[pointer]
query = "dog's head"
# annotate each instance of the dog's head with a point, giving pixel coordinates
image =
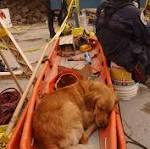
(101, 99)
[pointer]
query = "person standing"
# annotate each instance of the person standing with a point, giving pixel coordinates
(124, 37)
(54, 6)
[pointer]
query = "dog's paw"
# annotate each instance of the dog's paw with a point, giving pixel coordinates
(84, 139)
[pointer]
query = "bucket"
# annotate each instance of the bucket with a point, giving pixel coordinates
(64, 78)
(126, 92)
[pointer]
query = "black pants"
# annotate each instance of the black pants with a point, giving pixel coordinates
(52, 13)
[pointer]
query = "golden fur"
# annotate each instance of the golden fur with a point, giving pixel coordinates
(60, 118)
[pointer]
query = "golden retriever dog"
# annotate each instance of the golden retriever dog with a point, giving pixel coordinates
(60, 118)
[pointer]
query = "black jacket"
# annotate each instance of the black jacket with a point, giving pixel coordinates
(124, 38)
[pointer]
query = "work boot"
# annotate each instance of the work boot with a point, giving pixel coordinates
(52, 34)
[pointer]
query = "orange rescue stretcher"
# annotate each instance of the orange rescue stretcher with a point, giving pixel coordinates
(111, 137)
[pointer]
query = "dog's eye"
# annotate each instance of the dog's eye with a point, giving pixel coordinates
(102, 108)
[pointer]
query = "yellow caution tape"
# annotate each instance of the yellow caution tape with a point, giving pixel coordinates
(2, 130)
(32, 50)
(3, 137)
(2, 32)
(91, 34)
(120, 74)
(146, 3)
(78, 31)
(23, 28)
(3, 46)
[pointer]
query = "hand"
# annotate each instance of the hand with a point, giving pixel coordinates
(84, 139)
(86, 135)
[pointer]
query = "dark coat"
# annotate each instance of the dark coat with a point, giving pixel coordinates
(124, 38)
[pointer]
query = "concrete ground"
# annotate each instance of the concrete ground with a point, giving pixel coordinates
(135, 113)
(31, 39)
(136, 118)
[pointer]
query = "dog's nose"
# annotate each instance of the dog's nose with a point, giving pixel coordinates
(103, 125)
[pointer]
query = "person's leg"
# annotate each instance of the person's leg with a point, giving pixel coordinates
(50, 19)
(62, 13)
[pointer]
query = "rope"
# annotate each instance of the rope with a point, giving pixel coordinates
(8, 102)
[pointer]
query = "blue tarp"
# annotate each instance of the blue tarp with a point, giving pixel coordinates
(89, 3)
(56, 4)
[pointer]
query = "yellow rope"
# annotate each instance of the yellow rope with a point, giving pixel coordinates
(146, 3)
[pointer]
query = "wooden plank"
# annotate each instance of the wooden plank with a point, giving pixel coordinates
(66, 40)
(16, 72)
(15, 49)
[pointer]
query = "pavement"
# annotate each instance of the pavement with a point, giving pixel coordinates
(136, 118)
(135, 112)
(31, 39)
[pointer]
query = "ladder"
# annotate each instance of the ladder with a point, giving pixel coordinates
(7, 42)
(76, 4)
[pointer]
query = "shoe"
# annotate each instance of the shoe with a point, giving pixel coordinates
(52, 34)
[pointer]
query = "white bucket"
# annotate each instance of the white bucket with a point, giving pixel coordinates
(126, 92)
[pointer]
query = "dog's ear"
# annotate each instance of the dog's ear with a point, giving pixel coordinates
(90, 100)
(116, 99)
(114, 95)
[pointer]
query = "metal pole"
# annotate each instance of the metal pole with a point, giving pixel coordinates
(12, 74)
(76, 18)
